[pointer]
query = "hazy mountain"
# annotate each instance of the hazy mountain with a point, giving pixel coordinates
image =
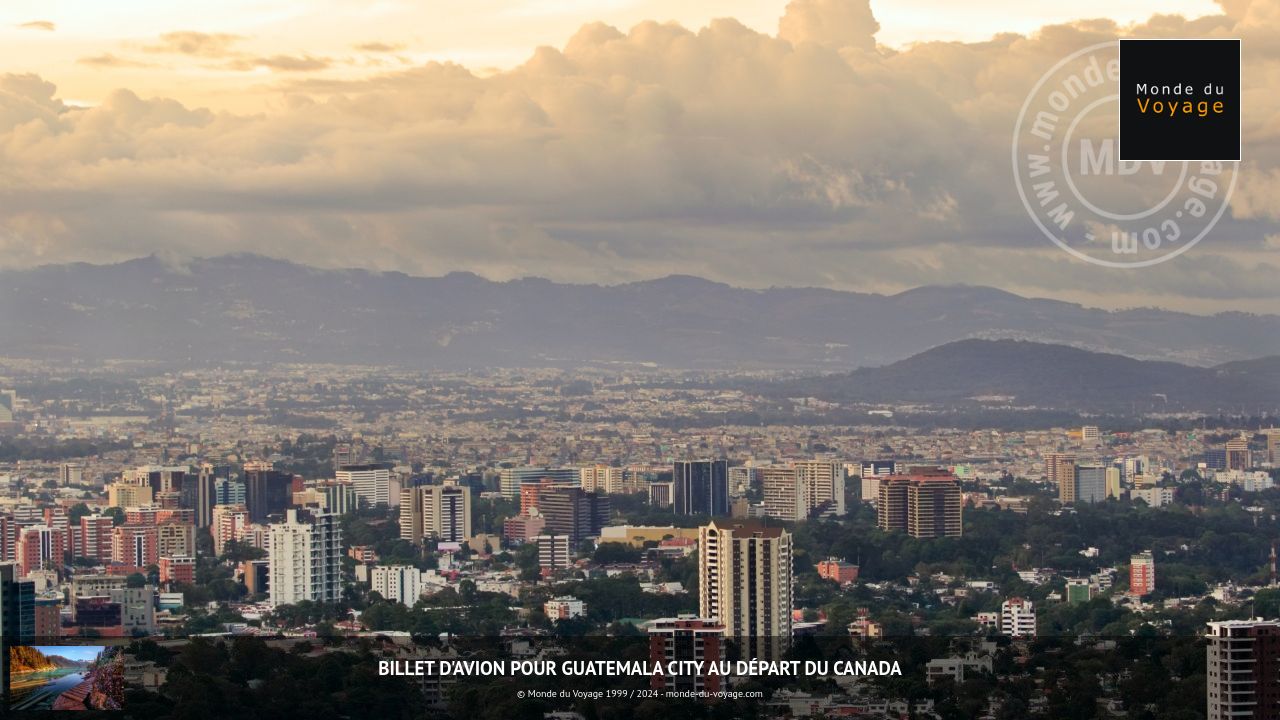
(254, 308)
(986, 372)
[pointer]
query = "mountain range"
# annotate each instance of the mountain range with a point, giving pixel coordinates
(252, 308)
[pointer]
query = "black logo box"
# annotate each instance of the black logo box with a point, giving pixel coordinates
(1192, 63)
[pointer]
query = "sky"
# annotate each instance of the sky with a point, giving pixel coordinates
(84, 653)
(833, 143)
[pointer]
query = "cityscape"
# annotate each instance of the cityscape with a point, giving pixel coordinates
(299, 503)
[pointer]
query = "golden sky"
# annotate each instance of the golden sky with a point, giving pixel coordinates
(817, 142)
(231, 54)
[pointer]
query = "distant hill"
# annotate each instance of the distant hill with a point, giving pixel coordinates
(24, 659)
(977, 372)
(251, 308)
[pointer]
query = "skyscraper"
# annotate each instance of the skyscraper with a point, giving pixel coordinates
(206, 491)
(745, 576)
(701, 487)
(1238, 454)
(573, 512)
(1242, 672)
(802, 490)
(305, 559)
(267, 491)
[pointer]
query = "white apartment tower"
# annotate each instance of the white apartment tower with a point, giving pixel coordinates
(745, 581)
(305, 559)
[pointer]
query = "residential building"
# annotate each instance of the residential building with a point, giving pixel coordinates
(305, 557)
(1142, 574)
(398, 583)
(745, 584)
(685, 639)
(1018, 617)
(1242, 670)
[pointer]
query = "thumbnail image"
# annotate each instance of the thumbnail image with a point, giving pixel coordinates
(65, 677)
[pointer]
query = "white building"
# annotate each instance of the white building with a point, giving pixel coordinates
(1018, 618)
(601, 478)
(305, 559)
(401, 583)
(371, 481)
(565, 607)
(1153, 496)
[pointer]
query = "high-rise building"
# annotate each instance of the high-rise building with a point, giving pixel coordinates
(267, 491)
(802, 490)
(17, 617)
(1018, 618)
(701, 487)
(1242, 672)
(176, 539)
(305, 557)
(230, 522)
(178, 569)
(135, 546)
(329, 496)
(398, 583)
(1238, 454)
(744, 584)
(441, 511)
(40, 546)
(685, 639)
(554, 553)
(160, 478)
(925, 504)
(206, 495)
(1091, 483)
(95, 537)
(70, 474)
(661, 494)
(123, 494)
(573, 512)
(1273, 445)
(510, 480)
(1142, 574)
(371, 481)
(1060, 472)
(869, 475)
(601, 479)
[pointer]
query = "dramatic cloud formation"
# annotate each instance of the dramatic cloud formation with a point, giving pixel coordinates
(807, 157)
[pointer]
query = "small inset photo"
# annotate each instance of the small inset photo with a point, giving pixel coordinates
(65, 677)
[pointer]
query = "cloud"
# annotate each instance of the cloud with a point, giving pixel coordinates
(43, 25)
(283, 63)
(188, 42)
(809, 157)
(108, 60)
(379, 47)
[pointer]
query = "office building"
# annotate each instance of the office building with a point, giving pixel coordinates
(701, 487)
(1090, 483)
(176, 539)
(268, 491)
(1237, 454)
(208, 481)
(925, 504)
(661, 494)
(1090, 435)
(1242, 670)
(510, 480)
(573, 512)
(1142, 574)
(178, 569)
(398, 583)
(70, 474)
(371, 482)
(305, 557)
(230, 522)
(745, 584)
(685, 639)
